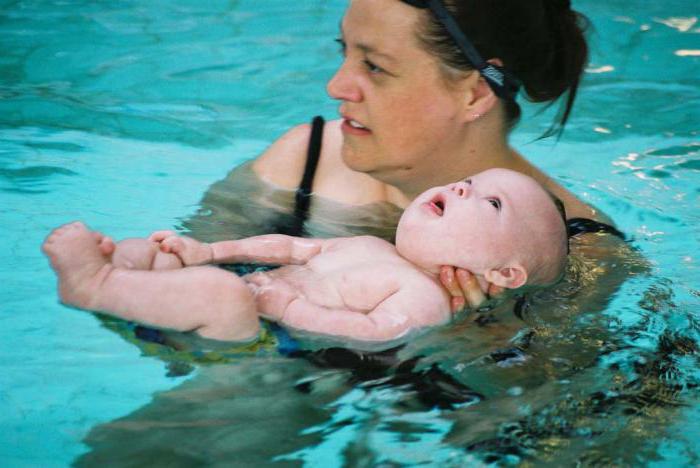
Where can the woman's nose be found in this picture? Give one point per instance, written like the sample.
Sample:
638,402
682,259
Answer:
342,85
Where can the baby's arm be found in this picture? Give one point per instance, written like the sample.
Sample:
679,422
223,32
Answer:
270,249
275,249
399,313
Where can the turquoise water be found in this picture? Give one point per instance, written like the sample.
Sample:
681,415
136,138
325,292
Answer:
122,115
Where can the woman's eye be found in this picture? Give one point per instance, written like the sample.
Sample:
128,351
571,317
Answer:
342,45
372,68
496,203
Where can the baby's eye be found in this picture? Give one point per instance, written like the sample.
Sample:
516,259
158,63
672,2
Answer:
496,203
372,68
468,181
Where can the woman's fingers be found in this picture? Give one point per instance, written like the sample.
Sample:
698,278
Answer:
448,280
495,291
465,288
470,287
160,236
457,304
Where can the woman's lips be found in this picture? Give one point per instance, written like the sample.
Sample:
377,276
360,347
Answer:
353,127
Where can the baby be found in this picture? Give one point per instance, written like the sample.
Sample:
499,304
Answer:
500,225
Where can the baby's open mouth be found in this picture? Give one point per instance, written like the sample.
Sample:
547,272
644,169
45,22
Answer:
437,204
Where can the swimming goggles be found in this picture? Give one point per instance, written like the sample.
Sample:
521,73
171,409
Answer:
503,84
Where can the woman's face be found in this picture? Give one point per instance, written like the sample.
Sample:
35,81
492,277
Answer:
399,115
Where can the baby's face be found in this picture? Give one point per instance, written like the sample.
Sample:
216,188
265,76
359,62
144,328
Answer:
484,222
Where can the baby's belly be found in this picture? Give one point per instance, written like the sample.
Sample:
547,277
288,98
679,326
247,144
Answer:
274,290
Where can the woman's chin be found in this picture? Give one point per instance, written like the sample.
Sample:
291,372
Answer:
355,160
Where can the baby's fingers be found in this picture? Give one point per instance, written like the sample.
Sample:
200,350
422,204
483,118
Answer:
160,236
469,285
172,244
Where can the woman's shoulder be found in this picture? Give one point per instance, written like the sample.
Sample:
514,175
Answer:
282,165
575,207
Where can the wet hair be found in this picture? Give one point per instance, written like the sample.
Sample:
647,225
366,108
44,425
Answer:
540,42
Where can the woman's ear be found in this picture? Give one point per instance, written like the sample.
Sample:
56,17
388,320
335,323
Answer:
479,97
511,277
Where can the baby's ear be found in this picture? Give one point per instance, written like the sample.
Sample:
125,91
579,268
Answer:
511,277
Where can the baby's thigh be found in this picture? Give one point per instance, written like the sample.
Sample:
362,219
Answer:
231,310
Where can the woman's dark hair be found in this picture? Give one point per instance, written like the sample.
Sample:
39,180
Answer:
540,42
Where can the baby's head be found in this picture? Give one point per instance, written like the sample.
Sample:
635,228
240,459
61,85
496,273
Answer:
500,224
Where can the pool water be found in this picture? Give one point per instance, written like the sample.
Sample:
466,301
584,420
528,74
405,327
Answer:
123,113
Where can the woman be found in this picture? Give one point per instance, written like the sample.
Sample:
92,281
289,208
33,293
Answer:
420,107
415,113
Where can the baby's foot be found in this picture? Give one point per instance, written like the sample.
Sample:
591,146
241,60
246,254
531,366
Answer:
77,256
105,243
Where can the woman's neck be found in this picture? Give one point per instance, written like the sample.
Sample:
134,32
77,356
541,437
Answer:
477,149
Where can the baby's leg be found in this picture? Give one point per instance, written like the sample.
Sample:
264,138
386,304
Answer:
139,254
209,301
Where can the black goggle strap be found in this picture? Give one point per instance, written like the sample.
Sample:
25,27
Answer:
503,84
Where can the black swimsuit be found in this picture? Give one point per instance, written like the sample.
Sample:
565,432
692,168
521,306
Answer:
302,197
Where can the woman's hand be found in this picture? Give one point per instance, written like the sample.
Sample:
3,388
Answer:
464,289
190,251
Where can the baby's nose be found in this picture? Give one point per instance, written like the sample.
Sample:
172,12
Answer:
461,189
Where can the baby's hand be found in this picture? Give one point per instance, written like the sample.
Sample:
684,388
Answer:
464,289
190,251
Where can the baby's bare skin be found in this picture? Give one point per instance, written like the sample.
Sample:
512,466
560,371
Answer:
359,287
499,224
140,254
356,287
209,301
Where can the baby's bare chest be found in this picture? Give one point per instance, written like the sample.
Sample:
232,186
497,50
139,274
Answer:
349,278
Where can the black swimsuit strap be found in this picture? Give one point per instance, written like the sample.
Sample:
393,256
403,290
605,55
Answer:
576,226
303,195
